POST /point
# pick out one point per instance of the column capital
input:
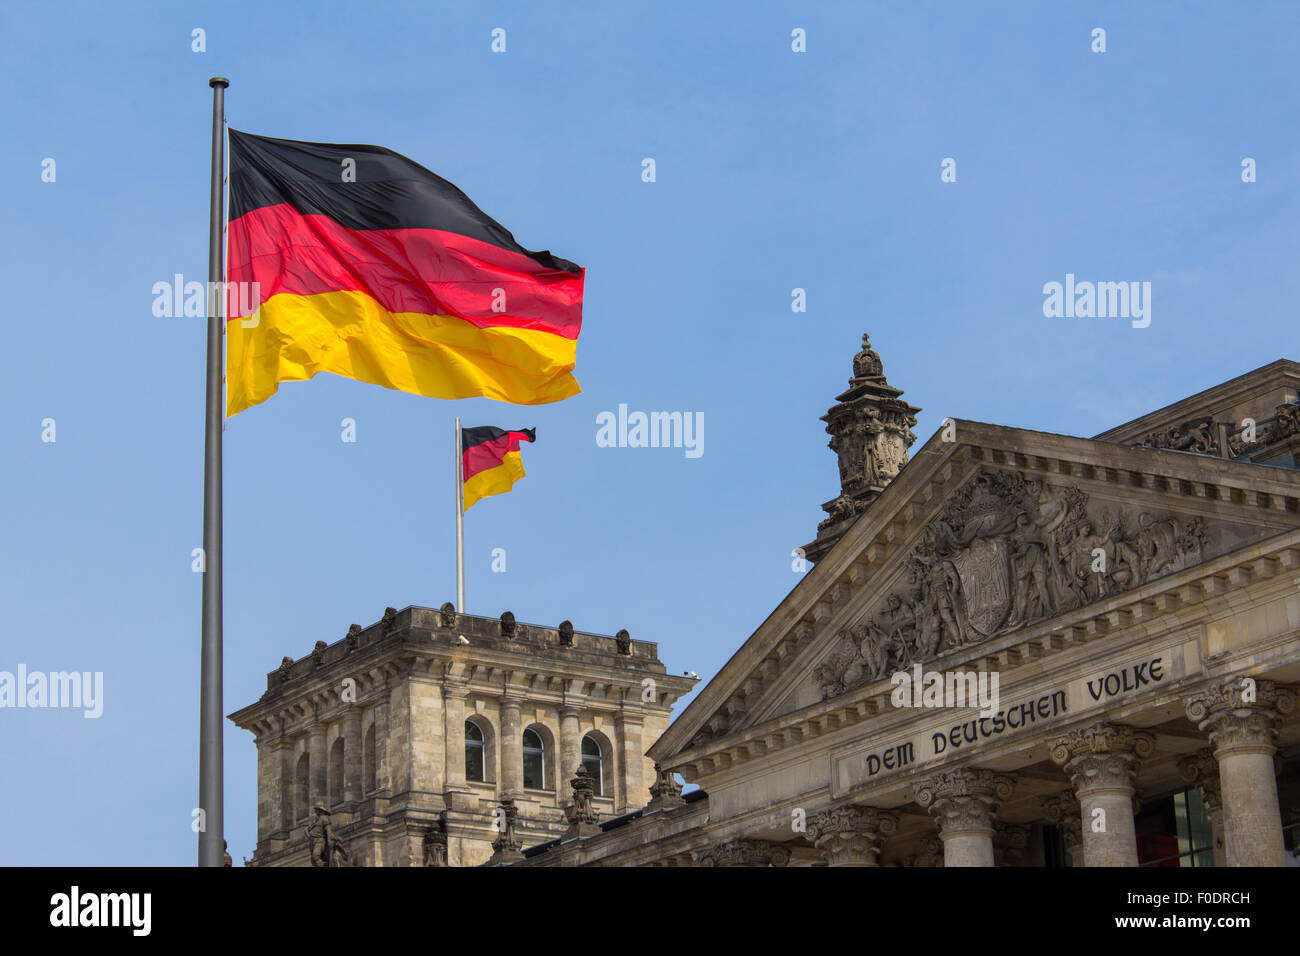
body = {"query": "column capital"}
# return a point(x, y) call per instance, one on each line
point(1062, 811)
point(1241, 714)
point(630, 714)
point(1102, 756)
point(963, 800)
point(512, 702)
point(1009, 842)
point(930, 852)
point(456, 686)
point(851, 836)
point(1202, 770)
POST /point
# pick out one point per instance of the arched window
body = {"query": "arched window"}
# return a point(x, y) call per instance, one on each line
point(336, 773)
point(534, 761)
point(595, 764)
point(475, 764)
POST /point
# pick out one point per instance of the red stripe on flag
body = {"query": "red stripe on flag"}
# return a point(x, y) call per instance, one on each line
point(427, 271)
point(488, 454)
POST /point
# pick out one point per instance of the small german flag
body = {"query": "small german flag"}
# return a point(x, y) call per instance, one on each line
point(371, 267)
point(489, 460)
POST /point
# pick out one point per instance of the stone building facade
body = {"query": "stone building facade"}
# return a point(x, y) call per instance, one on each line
point(1136, 596)
point(1012, 648)
point(417, 735)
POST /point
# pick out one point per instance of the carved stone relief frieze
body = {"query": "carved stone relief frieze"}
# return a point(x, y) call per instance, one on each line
point(1007, 551)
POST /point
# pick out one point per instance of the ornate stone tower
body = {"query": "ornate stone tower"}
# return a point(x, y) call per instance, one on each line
point(412, 741)
point(871, 430)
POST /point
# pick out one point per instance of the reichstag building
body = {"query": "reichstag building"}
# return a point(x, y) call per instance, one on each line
point(1013, 648)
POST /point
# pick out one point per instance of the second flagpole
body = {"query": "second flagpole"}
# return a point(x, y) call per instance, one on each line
point(460, 525)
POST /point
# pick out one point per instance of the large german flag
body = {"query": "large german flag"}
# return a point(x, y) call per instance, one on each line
point(371, 267)
point(490, 462)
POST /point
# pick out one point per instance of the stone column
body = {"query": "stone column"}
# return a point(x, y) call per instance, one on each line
point(382, 782)
point(1063, 812)
point(284, 820)
point(965, 804)
point(268, 761)
point(352, 755)
point(851, 836)
point(1202, 770)
point(1102, 761)
point(319, 765)
point(511, 776)
point(1241, 716)
point(453, 709)
point(631, 762)
point(570, 741)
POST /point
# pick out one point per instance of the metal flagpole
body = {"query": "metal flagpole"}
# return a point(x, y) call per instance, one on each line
point(460, 526)
point(211, 842)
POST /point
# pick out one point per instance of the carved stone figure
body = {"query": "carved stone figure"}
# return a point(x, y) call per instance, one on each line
point(1123, 562)
point(929, 629)
point(434, 846)
point(1090, 586)
point(325, 847)
point(1029, 568)
point(1287, 421)
point(354, 637)
point(508, 625)
point(389, 620)
point(286, 665)
point(318, 654)
point(1200, 437)
point(447, 614)
point(624, 640)
point(566, 633)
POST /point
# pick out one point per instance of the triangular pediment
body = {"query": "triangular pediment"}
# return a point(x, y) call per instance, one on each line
point(976, 539)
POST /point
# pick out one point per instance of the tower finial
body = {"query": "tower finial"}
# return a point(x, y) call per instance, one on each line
point(867, 364)
point(870, 429)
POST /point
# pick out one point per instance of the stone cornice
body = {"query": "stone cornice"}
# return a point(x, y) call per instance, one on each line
point(484, 634)
point(475, 671)
point(1254, 384)
point(867, 552)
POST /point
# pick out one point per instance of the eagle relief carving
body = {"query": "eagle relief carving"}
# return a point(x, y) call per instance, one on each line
point(1006, 552)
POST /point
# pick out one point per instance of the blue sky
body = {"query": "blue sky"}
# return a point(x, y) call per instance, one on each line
point(775, 170)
